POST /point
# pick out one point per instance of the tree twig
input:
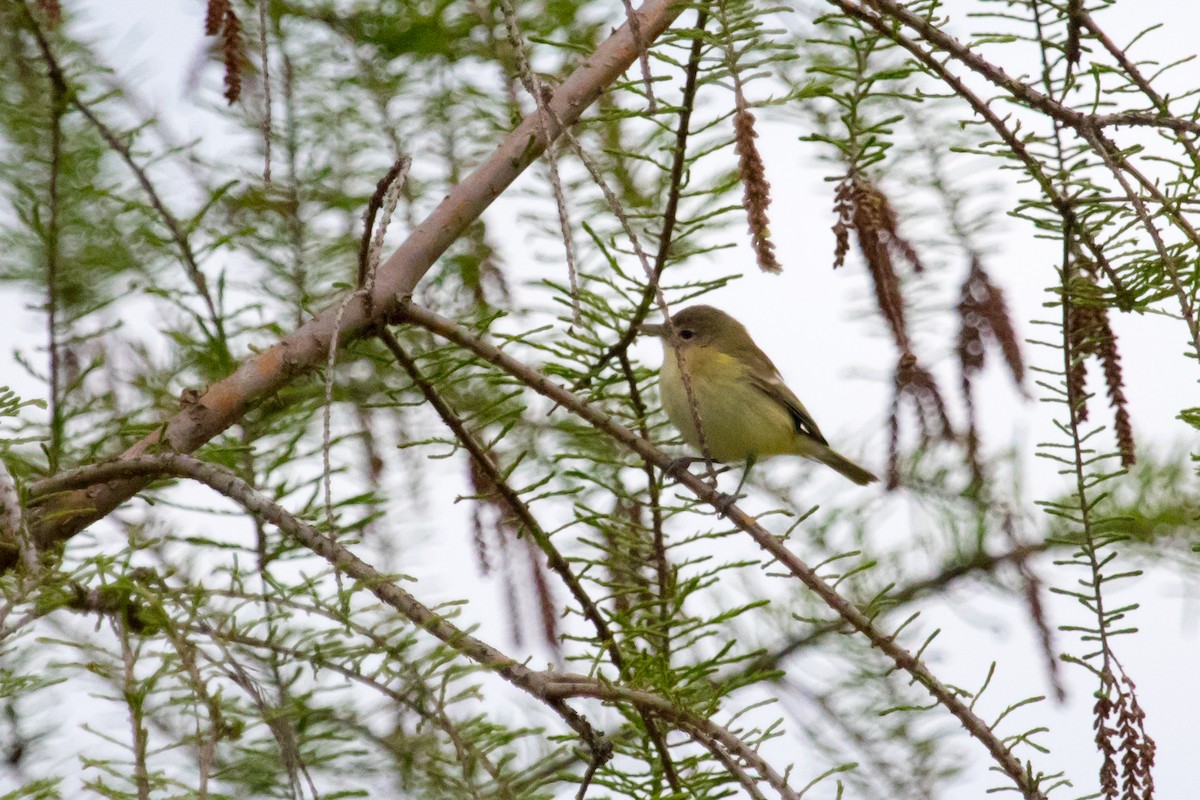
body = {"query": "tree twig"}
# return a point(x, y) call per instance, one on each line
point(1024, 778)
point(262, 374)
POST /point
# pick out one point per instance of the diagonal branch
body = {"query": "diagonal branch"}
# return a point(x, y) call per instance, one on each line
point(551, 688)
point(221, 480)
point(943, 42)
point(516, 505)
point(1027, 782)
point(265, 373)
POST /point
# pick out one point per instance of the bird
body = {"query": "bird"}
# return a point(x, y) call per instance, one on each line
point(746, 410)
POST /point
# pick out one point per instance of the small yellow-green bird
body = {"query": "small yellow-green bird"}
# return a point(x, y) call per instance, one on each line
point(746, 411)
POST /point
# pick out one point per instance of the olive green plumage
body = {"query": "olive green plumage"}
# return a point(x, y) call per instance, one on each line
point(746, 411)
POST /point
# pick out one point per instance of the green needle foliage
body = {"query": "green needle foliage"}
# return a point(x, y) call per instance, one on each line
point(410, 565)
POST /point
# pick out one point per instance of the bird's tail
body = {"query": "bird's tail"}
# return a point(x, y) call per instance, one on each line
point(854, 472)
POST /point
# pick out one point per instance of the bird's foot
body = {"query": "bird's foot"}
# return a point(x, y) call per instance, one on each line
point(680, 464)
point(724, 502)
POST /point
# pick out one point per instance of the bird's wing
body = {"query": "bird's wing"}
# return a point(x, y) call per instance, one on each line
point(777, 390)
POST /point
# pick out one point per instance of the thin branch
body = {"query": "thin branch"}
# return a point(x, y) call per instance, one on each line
point(265, 65)
point(340, 558)
point(670, 210)
point(190, 264)
point(1079, 470)
point(262, 374)
point(643, 57)
point(945, 43)
point(282, 726)
point(133, 701)
point(533, 85)
point(1119, 166)
point(937, 66)
point(701, 728)
point(664, 574)
point(1084, 19)
point(511, 499)
point(980, 564)
point(58, 91)
point(731, 765)
point(856, 618)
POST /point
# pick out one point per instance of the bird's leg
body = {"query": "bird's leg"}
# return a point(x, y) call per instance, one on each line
point(727, 500)
point(750, 461)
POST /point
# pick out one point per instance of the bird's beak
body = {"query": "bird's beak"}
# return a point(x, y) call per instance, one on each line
point(653, 329)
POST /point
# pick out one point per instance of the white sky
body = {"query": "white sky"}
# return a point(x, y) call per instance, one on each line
point(806, 321)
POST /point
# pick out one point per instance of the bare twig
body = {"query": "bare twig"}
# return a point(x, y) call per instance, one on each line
point(264, 62)
point(533, 85)
point(670, 210)
point(643, 56)
point(387, 195)
point(190, 264)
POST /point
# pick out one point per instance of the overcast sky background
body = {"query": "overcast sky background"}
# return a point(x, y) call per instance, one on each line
point(819, 328)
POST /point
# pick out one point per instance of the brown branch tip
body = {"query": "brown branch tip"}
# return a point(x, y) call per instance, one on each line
point(982, 311)
point(222, 21)
point(1088, 333)
point(756, 196)
point(918, 384)
point(861, 206)
point(1127, 738)
point(51, 11)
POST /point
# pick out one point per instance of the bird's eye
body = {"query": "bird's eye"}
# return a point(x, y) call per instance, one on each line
point(685, 334)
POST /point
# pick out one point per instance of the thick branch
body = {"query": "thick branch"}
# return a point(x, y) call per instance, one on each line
point(267, 372)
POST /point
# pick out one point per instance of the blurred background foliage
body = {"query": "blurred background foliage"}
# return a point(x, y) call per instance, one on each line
point(201, 652)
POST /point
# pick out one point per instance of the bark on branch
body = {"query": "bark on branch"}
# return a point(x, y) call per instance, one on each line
point(265, 373)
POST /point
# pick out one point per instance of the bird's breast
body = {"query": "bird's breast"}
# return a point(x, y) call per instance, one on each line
point(738, 420)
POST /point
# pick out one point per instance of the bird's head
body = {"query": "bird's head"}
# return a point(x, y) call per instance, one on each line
point(703, 326)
